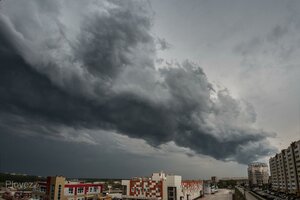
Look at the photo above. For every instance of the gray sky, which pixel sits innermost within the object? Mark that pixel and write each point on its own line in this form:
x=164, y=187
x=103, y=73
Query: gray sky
x=124, y=88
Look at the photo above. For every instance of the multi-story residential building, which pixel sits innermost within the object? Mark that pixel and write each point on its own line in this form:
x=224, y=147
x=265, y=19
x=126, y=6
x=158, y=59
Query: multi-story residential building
x=285, y=170
x=163, y=187
x=258, y=174
x=58, y=188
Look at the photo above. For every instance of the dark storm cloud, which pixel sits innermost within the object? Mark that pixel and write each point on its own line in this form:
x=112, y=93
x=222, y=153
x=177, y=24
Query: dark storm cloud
x=112, y=39
x=97, y=72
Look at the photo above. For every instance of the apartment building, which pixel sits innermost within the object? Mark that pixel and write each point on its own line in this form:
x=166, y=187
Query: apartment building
x=58, y=188
x=258, y=174
x=285, y=170
x=163, y=187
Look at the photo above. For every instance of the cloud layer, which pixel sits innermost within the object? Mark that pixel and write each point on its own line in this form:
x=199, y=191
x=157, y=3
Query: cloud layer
x=91, y=65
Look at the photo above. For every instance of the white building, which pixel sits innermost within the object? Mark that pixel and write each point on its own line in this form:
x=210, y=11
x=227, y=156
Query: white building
x=258, y=174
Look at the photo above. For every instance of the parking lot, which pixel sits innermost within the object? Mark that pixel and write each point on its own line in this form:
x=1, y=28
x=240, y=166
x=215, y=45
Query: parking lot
x=268, y=195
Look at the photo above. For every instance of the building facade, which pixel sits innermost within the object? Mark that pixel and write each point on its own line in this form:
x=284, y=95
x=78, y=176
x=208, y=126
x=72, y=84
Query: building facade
x=258, y=174
x=191, y=189
x=285, y=170
x=58, y=188
x=163, y=187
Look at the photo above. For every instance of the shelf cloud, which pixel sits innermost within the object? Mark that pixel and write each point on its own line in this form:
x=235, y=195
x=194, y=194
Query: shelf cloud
x=91, y=65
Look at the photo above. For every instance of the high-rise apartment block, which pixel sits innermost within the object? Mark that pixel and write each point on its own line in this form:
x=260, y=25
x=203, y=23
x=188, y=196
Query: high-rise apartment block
x=258, y=174
x=285, y=170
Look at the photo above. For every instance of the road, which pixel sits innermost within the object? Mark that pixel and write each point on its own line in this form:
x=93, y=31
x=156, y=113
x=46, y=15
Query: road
x=248, y=195
x=222, y=194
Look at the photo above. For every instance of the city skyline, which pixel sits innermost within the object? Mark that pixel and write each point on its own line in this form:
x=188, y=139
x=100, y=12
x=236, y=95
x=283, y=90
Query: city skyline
x=124, y=88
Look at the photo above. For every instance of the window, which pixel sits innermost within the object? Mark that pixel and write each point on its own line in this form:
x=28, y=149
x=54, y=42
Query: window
x=43, y=189
x=70, y=190
x=52, y=192
x=59, y=192
x=95, y=189
x=124, y=188
x=172, y=193
x=80, y=190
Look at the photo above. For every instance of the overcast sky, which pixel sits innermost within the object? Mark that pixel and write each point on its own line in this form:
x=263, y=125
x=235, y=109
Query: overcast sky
x=125, y=88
